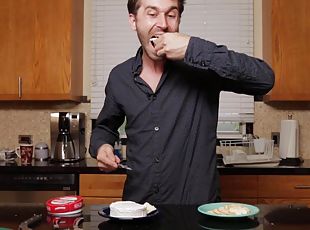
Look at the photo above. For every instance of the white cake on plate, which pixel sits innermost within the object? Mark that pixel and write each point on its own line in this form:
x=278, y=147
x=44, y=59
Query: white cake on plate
x=128, y=209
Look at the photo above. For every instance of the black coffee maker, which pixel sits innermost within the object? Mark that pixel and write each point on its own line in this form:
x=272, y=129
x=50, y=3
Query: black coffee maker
x=67, y=136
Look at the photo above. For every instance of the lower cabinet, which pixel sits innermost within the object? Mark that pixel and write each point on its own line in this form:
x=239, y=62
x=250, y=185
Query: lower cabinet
x=239, y=188
x=266, y=189
x=101, y=188
x=250, y=189
x=275, y=189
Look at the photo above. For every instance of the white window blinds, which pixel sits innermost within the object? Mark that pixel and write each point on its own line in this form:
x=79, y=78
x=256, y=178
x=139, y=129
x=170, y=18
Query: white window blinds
x=228, y=22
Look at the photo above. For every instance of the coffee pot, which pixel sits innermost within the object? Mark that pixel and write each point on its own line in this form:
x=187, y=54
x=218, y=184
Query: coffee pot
x=67, y=136
x=64, y=148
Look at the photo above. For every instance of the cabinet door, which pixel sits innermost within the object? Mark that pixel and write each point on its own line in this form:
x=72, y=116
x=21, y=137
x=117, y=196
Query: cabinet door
x=45, y=55
x=283, y=186
x=47, y=41
x=102, y=185
x=288, y=25
x=9, y=81
x=239, y=188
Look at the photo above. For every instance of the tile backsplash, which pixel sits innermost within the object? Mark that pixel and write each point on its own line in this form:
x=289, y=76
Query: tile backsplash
x=28, y=118
x=268, y=119
x=34, y=119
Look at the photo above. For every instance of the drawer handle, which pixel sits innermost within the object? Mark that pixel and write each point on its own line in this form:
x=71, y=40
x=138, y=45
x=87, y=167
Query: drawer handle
x=302, y=186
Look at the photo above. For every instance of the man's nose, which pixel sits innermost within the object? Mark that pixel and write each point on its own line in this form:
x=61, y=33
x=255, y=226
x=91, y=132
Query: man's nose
x=162, y=21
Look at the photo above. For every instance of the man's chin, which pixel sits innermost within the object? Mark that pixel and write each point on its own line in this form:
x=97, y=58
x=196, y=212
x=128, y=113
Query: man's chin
x=155, y=57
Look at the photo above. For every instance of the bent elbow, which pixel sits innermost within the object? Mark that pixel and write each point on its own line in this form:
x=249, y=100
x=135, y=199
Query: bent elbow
x=270, y=81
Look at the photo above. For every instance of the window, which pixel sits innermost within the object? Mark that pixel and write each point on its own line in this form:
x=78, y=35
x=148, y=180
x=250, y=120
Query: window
x=228, y=22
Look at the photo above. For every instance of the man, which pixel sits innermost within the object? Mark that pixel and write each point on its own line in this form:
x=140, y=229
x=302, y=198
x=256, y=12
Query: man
x=169, y=94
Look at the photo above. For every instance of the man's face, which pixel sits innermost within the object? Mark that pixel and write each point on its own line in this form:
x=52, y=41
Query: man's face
x=152, y=18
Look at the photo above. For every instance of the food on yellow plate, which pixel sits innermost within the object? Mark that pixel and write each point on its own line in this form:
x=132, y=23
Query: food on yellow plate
x=130, y=209
x=230, y=209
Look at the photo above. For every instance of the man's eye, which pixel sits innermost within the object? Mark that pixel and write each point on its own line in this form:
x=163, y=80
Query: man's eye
x=152, y=14
x=171, y=15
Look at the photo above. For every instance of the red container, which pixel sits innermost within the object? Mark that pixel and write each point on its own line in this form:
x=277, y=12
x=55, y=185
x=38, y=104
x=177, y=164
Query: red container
x=65, y=205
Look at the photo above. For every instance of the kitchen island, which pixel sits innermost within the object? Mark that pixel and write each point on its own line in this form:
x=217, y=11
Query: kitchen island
x=169, y=217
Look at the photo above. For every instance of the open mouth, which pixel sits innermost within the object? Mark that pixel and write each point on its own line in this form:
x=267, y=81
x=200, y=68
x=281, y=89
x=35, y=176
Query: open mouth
x=152, y=39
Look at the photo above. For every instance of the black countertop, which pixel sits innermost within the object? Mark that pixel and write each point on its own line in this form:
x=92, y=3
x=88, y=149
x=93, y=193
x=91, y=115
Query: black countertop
x=169, y=217
x=89, y=166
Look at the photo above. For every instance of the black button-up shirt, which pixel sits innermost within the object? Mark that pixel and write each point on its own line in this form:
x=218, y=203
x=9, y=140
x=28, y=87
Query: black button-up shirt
x=172, y=132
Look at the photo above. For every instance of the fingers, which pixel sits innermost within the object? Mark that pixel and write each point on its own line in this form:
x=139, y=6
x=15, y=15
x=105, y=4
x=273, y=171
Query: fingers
x=107, y=161
x=171, y=45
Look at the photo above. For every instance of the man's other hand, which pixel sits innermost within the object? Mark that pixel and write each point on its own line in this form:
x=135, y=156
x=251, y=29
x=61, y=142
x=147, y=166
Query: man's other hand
x=107, y=161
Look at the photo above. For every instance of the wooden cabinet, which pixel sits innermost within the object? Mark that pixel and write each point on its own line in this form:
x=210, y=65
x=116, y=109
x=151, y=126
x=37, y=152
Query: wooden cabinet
x=101, y=188
x=239, y=188
x=9, y=83
x=286, y=31
x=266, y=189
x=250, y=189
x=283, y=189
x=41, y=50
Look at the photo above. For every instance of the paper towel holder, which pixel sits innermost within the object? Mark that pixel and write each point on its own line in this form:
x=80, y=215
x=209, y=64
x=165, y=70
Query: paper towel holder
x=289, y=143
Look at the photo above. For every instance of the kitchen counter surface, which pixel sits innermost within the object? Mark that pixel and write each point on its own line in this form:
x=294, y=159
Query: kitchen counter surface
x=169, y=217
x=89, y=166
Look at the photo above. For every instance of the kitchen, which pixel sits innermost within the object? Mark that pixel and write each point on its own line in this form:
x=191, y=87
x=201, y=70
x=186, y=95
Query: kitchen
x=21, y=117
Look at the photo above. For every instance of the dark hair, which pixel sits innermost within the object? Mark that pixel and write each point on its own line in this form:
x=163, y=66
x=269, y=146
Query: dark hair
x=133, y=6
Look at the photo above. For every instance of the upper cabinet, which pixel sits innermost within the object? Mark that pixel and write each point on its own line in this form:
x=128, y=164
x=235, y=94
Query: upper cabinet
x=41, y=50
x=286, y=46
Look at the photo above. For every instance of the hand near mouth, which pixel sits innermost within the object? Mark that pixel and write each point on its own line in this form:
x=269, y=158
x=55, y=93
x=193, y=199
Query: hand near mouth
x=171, y=45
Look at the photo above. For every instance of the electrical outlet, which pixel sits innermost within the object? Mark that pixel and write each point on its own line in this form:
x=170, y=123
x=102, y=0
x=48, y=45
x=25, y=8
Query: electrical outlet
x=276, y=137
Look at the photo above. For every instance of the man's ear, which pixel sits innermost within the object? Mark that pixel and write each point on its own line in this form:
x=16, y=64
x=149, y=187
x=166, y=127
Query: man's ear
x=132, y=21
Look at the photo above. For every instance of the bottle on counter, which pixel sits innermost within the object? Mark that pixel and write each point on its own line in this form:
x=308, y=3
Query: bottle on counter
x=117, y=150
x=123, y=147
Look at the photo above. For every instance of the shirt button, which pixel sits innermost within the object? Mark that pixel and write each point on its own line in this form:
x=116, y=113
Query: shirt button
x=156, y=159
x=203, y=63
x=156, y=128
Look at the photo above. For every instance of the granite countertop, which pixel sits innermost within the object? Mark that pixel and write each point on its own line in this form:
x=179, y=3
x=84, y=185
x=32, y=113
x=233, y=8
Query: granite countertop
x=89, y=166
x=181, y=217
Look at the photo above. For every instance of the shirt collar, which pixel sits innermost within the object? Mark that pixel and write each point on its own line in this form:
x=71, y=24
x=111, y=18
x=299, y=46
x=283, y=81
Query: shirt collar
x=137, y=64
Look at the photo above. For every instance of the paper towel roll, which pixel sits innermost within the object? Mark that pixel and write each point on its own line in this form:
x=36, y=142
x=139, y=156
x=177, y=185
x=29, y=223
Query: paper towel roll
x=289, y=139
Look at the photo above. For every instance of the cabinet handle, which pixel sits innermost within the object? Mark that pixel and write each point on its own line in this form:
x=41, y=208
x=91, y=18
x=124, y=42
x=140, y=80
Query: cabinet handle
x=302, y=186
x=20, y=85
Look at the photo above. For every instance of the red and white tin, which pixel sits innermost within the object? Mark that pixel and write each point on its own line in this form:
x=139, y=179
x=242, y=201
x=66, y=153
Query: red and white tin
x=65, y=205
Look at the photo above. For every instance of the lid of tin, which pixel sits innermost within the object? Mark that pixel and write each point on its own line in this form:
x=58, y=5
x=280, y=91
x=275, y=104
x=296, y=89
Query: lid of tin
x=65, y=205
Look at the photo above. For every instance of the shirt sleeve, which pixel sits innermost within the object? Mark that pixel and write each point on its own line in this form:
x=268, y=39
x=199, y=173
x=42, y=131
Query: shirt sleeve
x=238, y=72
x=109, y=120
